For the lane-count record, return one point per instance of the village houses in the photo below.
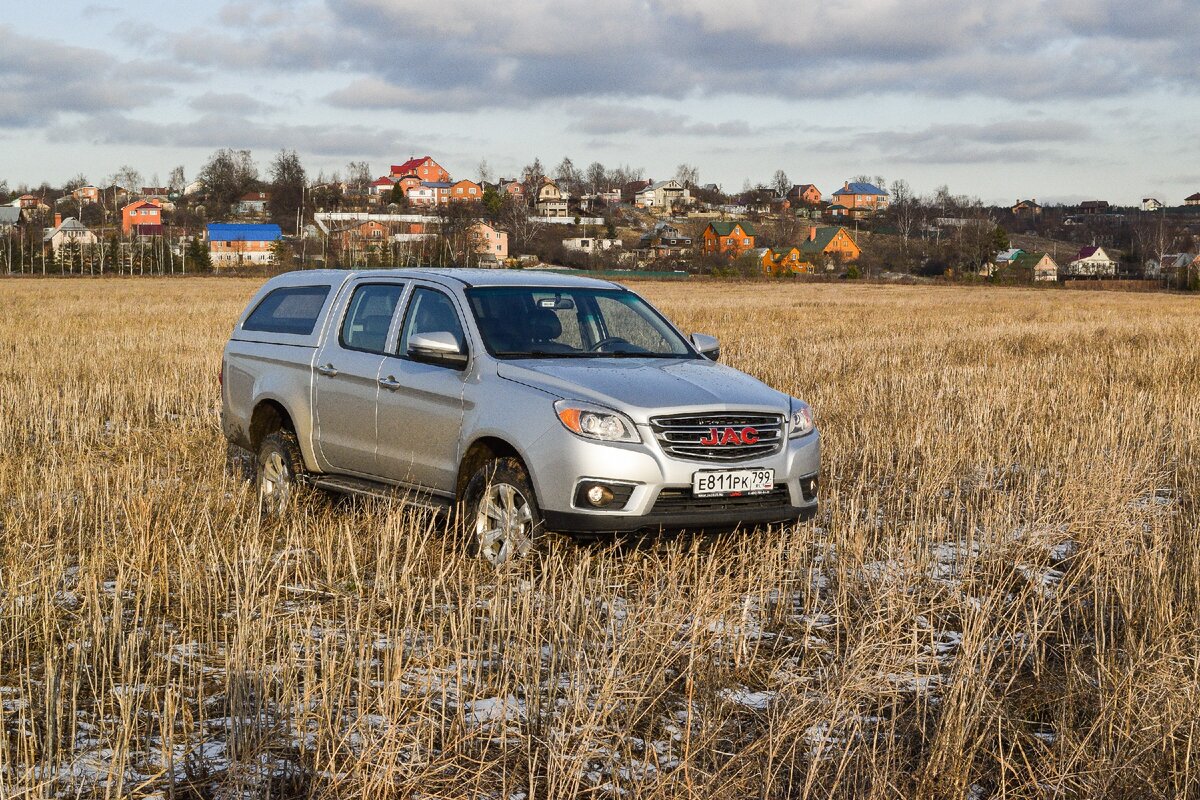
(860, 199)
(1092, 262)
(234, 244)
(68, 232)
(728, 237)
(142, 217)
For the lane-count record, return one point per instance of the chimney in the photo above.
(58, 220)
(845, 184)
(812, 234)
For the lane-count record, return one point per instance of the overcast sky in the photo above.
(1060, 101)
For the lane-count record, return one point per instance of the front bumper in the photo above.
(661, 494)
(570, 522)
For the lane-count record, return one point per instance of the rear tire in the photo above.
(279, 467)
(501, 515)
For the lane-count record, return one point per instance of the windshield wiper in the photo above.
(538, 354)
(631, 354)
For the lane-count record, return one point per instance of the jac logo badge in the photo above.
(717, 438)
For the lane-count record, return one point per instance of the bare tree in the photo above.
(688, 175)
(515, 217)
(568, 177)
(485, 171)
(596, 177)
(128, 178)
(459, 237)
(177, 182)
(780, 182)
(79, 180)
(531, 178)
(287, 188)
(906, 209)
(228, 175)
(358, 177)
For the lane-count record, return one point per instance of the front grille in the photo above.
(675, 501)
(682, 436)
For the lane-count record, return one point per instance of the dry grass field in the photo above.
(1000, 598)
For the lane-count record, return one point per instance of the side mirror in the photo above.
(708, 346)
(437, 347)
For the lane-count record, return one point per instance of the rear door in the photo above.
(346, 386)
(421, 414)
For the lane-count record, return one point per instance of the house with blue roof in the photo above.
(234, 244)
(861, 199)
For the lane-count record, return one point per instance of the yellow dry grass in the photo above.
(1001, 597)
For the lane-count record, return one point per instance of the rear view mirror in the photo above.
(437, 347)
(708, 346)
(556, 303)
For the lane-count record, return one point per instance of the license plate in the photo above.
(733, 481)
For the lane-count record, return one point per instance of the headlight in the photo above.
(801, 420)
(596, 422)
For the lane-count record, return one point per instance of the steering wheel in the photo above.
(607, 340)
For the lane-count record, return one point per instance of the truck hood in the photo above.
(647, 387)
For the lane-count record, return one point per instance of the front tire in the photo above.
(278, 469)
(503, 521)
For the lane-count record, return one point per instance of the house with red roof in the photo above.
(424, 168)
(143, 217)
(1192, 200)
(381, 186)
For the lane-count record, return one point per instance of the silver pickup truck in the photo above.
(529, 401)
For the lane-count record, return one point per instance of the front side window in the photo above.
(430, 311)
(369, 316)
(289, 309)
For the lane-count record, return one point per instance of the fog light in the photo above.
(599, 495)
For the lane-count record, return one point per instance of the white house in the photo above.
(589, 245)
(68, 232)
(663, 194)
(1151, 204)
(1092, 262)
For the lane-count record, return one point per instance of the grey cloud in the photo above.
(1001, 142)
(231, 130)
(228, 103)
(471, 54)
(41, 80)
(611, 120)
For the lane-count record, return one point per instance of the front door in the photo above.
(346, 384)
(420, 416)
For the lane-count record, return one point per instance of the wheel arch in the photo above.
(481, 451)
(271, 414)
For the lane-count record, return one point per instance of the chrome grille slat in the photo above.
(680, 435)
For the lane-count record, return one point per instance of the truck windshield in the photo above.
(572, 322)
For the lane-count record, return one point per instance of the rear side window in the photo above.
(290, 309)
(370, 315)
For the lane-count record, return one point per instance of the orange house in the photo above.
(861, 198)
(87, 194)
(783, 261)
(830, 241)
(143, 217)
(729, 238)
(425, 168)
(357, 237)
(804, 194)
(466, 191)
(408, 183)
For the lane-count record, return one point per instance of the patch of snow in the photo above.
(759, 701)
